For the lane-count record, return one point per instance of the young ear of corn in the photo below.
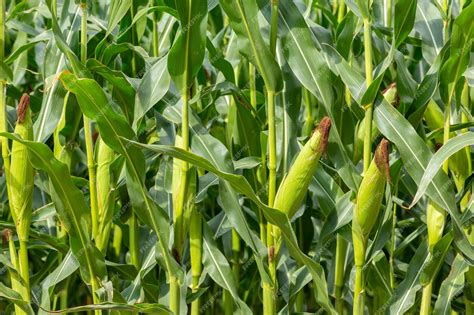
(105, 194)
(435, 220)
(391, 96)
(366, 211)
(179, 189)
(435, 215)
(294, 186)
(22, 184)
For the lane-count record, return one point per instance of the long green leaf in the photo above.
(114, 129)
(218, 268)
(186, 56)
(451, 286)
(243, 15)
(448, 149)
(71, 208)
(405, 12)
(312, 71)
(274, 216)
(416, 155)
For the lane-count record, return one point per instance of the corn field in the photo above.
(237, 157)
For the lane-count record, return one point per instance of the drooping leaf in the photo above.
(436, 162)
(274, 216)
(218, 268)
(114, 129)
(405, 293)
(416, 155)
(451, 286)
(71, 207)
(153, 86)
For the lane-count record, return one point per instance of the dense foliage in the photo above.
(237, 156)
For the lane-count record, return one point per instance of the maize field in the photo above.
(237, 157)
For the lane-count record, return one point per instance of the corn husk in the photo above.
(391, 96)
(369, 200)
(294, 186)
(21, 172)
(435, 220)
(105, 194)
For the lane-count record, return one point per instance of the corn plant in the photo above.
(237, 156)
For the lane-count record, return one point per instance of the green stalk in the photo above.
(425, 308)
(389, 13)
(16, 285)
(369, 107)
(88, 131)
(392, 245)
(274, 26)
(341, 250)
(228, 303)
(341, 10)
(227, 297)
(269, 305)
(469, 307)
(252, 86)
(446, 21)
(179, 199)
(228, 300)
(155, 33)
(253, 102)
(271, 111)
(360, 286)
(4, 128)
(469, 275)
(134, 242)
(174, 295)
(359, 292)
(446, 130)
(24, 270)
(341, 243)
(134, 234)
(269, 292)
(89, 150)
(195, 241)
(3, 105)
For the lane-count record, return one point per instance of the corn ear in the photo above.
(391, 96)
(294, 186)
(460, 162)
(105, 194)
(435, 220)
(21, 172)
(434, 118)
(183, 187)
(369, 200)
